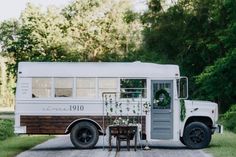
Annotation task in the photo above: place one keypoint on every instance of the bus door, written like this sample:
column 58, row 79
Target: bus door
column 161, row 109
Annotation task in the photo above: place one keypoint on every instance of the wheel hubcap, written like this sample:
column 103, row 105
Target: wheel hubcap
column 84, row 136
column 196, row 135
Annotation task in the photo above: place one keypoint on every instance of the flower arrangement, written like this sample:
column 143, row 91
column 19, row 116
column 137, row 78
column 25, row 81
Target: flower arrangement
column 121, row 121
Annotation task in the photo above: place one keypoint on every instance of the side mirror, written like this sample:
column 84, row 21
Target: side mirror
column 182, row 86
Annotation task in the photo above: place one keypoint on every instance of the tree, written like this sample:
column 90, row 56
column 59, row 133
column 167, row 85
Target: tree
column 185, row 34
column 83, row 31
column 98, row 29
column 36, row 36
column 217, row 82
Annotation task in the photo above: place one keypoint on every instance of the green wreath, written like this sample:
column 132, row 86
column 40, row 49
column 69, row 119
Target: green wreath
column 166, row 100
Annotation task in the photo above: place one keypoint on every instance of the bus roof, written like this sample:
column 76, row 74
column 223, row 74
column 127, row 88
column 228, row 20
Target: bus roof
column 96, row 69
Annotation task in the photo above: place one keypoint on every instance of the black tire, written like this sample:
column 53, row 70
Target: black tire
column 182, row 140
column 196, row 135
column 84, row 135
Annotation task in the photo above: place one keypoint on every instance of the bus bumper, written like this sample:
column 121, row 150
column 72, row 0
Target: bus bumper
column 218, row 128
column 20, row 130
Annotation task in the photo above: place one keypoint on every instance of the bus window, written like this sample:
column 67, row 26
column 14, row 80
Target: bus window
column 63, row 87
column 107, row 85
column 86, row 87
column 182, row 86
column 41, row 87
column 133, row 88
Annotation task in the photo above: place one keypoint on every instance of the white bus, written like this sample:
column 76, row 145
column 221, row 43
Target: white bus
column 82, row 99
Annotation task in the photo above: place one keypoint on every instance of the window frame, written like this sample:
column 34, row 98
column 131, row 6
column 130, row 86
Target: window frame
column 117, row 88
column 86, row 98
column 54, row 88
column 51, row 88
column 97, row 88
column 134, row 78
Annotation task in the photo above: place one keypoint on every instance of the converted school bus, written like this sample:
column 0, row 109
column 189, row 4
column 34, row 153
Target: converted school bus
column 82, row 99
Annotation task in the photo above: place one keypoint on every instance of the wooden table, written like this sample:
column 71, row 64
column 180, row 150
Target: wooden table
column 123, row 133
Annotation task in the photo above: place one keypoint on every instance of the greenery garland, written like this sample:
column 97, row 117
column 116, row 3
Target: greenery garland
column 166, row 100
column 182, row 110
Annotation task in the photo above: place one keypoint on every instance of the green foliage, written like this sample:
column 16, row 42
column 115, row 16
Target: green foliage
column 223, row 145
column 36, row 36
column 17, row 144
column 181, row 33
column 6, row 129
column 130, row 16
column 132, row 83
column 82, row 31
column 217, row 82
column 142, row 55
column 8, row 32
column 182, row 110
column 197, row 35
column 229, row 119
column 230, row 124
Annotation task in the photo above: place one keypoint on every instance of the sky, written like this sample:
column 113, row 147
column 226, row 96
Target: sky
column 13, row 8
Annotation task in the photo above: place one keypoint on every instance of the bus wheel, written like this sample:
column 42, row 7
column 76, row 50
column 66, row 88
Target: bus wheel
column 182, row 140
column 197, row 135
column 84, row 135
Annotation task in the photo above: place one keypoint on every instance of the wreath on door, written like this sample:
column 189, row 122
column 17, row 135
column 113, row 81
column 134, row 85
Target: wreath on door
column 166, row 97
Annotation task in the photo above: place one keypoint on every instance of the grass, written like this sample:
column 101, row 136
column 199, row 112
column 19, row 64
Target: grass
column 223, row 145
column 11, row 145
column 14, row 145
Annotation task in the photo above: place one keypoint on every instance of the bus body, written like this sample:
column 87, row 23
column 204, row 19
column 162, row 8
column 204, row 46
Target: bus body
column 79, row 98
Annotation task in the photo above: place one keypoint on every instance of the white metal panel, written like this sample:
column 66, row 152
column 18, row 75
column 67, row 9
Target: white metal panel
column 66, row 107
column 98, row 69
column 24, row 88
column 199, row 109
